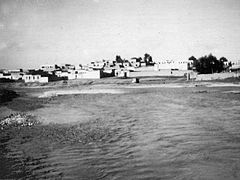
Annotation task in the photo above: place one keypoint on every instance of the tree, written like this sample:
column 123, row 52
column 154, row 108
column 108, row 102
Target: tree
column 192, row 58
column 223, row 64
column 119, row 59
column 193, row 66
column 209, row 64
column 223, row 59
column 148, row 59
column 57, row 67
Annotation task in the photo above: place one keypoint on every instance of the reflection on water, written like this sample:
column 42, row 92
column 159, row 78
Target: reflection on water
column 157, row 133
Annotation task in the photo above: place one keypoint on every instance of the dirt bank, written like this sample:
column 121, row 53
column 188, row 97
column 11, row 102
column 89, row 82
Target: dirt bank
column 7, row 95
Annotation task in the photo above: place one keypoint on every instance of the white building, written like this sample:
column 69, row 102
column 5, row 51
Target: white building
column 68, row 67
column 61, row 73
column 130, row 68
column 109, row 63
column 97, row 65
column 48, row 68
column 83, row 74
column 143, row 64
column 122, row 73
column 235, row 66
column 134, row 63
column 126, row 63
column 16, row 74
column 5, row 76
column 170, row 64
column 34, row 78
column 80, row 74
column 71, row 74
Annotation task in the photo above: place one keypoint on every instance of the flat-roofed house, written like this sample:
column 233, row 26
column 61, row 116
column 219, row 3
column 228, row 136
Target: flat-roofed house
column 122, row 72
column 16, row 74
column 48, row 68
column 84, row 74
column 97, row 65
column 34, row 78
column 235, row 66
column 135, row 63
column 126, row 63
column 109, row 63
column 5, row 76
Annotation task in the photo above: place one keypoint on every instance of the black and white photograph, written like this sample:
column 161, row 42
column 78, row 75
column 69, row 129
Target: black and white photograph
column 120, row 89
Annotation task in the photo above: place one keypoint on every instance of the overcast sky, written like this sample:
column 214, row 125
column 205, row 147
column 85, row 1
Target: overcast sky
column 36, row 32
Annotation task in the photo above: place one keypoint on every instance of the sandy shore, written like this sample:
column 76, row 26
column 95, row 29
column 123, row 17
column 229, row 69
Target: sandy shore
column 118, row 89
column 108, row 86
column 74, row 92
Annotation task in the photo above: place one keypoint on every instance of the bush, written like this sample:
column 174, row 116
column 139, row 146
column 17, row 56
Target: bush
column 18, row 120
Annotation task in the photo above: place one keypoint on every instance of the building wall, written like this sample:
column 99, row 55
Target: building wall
column 6, row 76
column 164, row 72
column 181, row 65
column 126, row 64
column 235, row 66
column 35, row 78
column 143, row 64
column 16, row 76
column 48, row 68
column 97, row 65
column 88, row 75
column 206, row 77
column 62, row 74
column 122, row 73
column 108, row 63
column 83, row 74
column 135, row 64
column 146, row 68
column 71, row 76
column 130, row 68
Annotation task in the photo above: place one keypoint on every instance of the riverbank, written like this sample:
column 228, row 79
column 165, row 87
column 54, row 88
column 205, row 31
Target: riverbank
column 34, row 96
column 163, row 81
column 31, row 96
column 97, row 127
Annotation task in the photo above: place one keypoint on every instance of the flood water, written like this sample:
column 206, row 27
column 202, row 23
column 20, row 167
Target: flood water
column 154, row 133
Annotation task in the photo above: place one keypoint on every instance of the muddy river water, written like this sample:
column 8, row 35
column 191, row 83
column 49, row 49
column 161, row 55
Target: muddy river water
column 149, row 133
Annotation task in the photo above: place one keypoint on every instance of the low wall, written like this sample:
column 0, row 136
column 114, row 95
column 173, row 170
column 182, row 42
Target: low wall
column 158, row 73
column 183, row 65
column 206, row 77
column 88, row 75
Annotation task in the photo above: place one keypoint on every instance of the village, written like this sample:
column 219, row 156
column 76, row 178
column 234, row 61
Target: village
column 120, row 68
